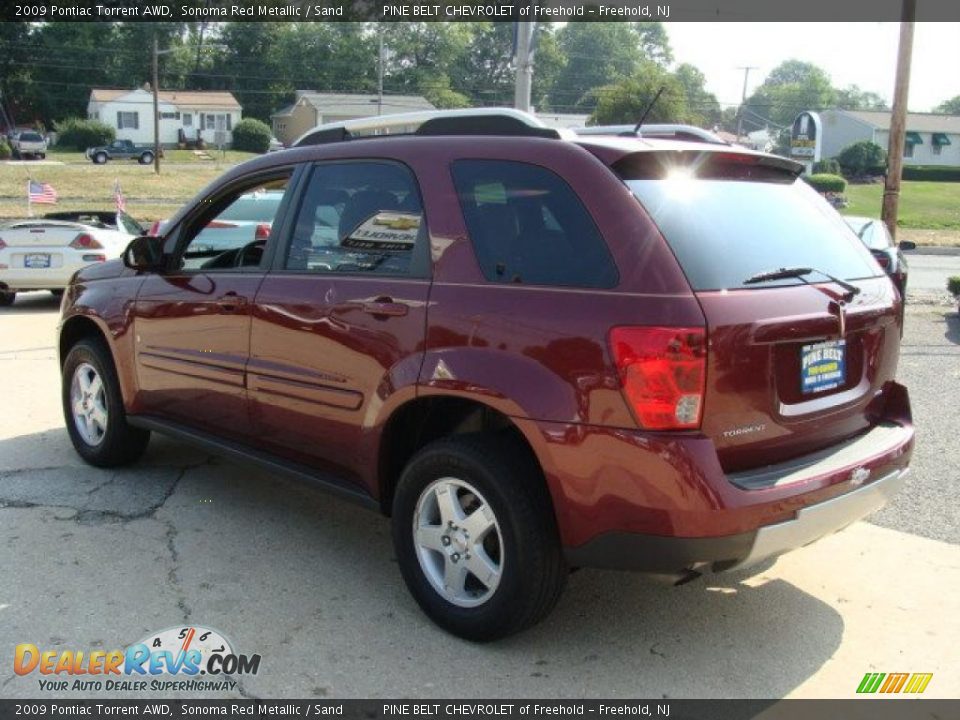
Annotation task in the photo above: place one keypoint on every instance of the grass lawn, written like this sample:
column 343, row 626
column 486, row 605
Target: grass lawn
column 90, row 187
column 923, row 205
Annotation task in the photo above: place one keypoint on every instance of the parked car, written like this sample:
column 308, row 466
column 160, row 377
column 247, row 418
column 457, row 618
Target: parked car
column 473, row 329
column 874, row 234
column 121, row 150
column 246, row 220
column 29, row 145
column 42, row 253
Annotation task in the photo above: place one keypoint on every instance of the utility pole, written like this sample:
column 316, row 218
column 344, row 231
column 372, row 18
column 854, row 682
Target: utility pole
column 898, row 120
column 524, row 55
column 743, row 98
column 156, row 108
column 380, row 74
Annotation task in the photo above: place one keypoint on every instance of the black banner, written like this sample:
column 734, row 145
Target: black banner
column 248, row 709
column 472, row 10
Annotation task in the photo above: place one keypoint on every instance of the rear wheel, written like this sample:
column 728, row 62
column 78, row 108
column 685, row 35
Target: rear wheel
column 100, row 158
column 7, row 298
column 475, row 536
column 93, row 408
column 146, row 158
column 57, row 293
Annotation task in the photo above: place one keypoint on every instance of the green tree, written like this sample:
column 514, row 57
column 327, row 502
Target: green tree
column 853, row 98
column 420, row 56
column 702, row 106
column 598, row 54
column 791, row 87
column 626, row 100
column 949, row 107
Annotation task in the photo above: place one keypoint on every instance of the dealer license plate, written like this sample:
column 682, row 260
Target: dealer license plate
column 36, row 260
column 822, row 366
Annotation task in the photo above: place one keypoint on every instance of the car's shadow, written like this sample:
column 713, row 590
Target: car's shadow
column 311, row 584
column 32, row 302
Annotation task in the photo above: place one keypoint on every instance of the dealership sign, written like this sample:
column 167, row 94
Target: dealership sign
column 806, row 137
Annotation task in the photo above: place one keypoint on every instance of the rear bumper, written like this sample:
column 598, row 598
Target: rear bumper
column 675, row 556
column 662, row 503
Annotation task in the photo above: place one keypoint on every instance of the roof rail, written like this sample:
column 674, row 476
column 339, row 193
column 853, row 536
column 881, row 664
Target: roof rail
column 660, row 130
column 470, row 121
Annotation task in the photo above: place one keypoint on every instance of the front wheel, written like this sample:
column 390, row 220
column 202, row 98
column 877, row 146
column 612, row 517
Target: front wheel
column 475, row 536
column 100, row 158
column 93, row 408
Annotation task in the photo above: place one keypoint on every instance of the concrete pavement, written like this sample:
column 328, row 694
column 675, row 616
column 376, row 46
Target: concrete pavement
column 98, row 559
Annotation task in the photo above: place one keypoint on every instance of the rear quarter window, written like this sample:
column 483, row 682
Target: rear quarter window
column 528, row 226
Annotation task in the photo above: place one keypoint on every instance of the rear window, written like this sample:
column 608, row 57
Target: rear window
column 257, row 207
column 723, row 230
column 31, row 137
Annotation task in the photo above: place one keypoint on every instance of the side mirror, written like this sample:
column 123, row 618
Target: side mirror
column 144, row 253
column 907, row 245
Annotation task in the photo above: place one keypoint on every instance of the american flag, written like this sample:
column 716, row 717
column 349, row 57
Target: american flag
column 118, row 196
column 42, row 193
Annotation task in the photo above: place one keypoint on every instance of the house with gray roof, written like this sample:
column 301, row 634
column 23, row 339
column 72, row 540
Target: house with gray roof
column 310, row 109
column 931, row 139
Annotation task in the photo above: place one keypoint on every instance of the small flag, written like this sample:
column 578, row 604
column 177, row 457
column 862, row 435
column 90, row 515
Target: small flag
column 118, row 196
column 42, row 193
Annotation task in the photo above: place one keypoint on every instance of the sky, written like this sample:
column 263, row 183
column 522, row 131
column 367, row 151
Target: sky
column 863, row 54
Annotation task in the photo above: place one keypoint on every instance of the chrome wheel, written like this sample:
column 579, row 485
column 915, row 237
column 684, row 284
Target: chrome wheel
column 88, row 400
column 458, row 542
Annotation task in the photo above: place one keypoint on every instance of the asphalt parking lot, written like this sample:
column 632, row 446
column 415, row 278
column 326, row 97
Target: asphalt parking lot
column 96, row 560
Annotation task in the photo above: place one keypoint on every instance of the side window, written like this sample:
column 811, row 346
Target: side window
column 528, row 226
column 234, row 232
column 357, row 217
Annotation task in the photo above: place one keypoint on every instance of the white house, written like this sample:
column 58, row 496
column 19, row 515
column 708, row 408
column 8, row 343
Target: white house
column 931, row 139
column 184, row 114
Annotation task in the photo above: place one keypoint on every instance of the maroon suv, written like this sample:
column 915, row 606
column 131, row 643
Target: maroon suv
column 535, row 352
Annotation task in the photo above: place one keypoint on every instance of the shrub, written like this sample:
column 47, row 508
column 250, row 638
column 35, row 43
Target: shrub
column 825, row 183
column 5, row 151
column 251, row 135
column 79, row 134
column 931, row 173
column 829, row 166
column 953, row 285
column 863, row 158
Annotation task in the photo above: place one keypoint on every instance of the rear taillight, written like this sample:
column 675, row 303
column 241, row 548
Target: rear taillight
column 663, row 372
column 85, row 242
column 883, row 259
column 2, row 244
column 219, row 225
column 262, row 232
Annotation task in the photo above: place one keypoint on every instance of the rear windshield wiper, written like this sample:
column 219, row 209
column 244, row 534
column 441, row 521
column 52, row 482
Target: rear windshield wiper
column 800, row 273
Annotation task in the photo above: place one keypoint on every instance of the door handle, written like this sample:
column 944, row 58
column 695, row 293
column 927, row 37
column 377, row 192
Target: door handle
column 385, row 307
column 229, row 302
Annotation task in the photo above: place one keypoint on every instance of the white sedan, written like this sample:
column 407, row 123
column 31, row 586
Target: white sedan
column 44, row 253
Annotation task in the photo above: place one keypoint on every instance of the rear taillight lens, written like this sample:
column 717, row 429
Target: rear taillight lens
column 262, row 232
column 663, row 372
column 883, row 259
column 85, row 242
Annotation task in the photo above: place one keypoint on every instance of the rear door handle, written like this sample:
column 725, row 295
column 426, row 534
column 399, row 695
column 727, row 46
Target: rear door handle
column 385, row 307
column 230, row 302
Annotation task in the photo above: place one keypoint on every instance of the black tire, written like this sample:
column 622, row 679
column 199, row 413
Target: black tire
column 100, row 158
column 121, row 443
column 57, row 293
column 43, row 156
column 146, row 158
column 533, row 571
column 7, row 298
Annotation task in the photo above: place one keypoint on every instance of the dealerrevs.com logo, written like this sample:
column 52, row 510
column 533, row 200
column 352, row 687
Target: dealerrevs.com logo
column 176, row 659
